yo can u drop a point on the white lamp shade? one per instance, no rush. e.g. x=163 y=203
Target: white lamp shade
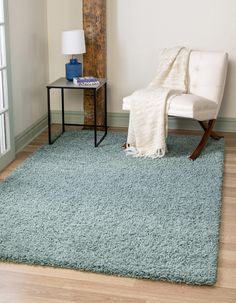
x=73 y=42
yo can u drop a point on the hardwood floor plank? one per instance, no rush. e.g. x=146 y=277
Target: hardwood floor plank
x=229 y=191
x=173 y=293
x=142 y=290
x=66 y=289
x=227 y=257
x=42 y=293
x=61 y=273
x=19 y=298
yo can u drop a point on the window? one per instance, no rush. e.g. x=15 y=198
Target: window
x=7 y=144
x=4 y=108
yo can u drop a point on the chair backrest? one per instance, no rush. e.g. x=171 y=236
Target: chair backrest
x=207 y=74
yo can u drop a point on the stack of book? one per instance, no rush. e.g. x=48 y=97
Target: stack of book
x=86 y=81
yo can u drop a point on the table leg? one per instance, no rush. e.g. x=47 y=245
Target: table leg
x=62 y=110
x=49 y=116
x=105 y=108
x=95 y=117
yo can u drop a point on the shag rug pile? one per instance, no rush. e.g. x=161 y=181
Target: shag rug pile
x=75 y=206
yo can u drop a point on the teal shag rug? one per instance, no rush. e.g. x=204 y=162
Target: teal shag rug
x=95 y=209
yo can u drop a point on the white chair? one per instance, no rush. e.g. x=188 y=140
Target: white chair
x=207 y=75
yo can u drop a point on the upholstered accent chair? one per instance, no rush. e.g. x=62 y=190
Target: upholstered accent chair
x=207 y=75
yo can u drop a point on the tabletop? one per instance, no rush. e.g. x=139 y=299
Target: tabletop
x=64 y=83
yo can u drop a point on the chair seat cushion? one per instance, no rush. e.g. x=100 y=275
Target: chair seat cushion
x=187 y=106
x=192 y=106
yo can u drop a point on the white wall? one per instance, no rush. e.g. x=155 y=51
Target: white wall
x=29 y=60
x=62 y=15
x=137 y=30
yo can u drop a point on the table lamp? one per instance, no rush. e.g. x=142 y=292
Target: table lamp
x=73 y=43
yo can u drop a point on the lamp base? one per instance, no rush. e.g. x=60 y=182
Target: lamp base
x=73 y=69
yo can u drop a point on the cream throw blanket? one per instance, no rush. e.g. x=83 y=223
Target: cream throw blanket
x=149 y=107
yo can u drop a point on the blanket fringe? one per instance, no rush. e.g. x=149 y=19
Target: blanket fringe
x=132 y=151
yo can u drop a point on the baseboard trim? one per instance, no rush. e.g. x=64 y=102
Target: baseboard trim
x=122 y=120
x=30 y=133
x=71 y=117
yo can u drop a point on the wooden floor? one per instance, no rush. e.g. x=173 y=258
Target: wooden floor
x=31 y=284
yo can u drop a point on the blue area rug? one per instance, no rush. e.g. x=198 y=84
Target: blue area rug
x=71 y=205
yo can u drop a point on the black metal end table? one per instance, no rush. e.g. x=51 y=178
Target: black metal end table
x=62 y=84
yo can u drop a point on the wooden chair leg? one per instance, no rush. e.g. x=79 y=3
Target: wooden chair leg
x=125 y=145
x=213 y=134
x=205 y=137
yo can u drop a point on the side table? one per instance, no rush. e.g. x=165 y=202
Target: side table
x=62 y=84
